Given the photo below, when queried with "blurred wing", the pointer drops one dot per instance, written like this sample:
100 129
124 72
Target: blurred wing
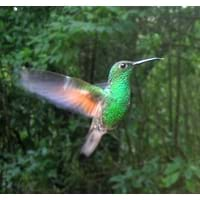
102 85
65 92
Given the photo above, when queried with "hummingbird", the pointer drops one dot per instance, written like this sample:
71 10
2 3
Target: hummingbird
106 105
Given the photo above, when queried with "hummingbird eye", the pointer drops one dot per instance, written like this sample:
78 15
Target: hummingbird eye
123 65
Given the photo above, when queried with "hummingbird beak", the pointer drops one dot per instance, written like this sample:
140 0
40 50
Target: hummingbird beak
145 60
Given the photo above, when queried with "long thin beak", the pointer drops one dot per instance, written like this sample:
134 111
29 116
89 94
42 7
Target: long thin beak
146 60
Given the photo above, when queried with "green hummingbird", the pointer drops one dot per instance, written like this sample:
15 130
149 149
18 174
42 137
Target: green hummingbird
106 105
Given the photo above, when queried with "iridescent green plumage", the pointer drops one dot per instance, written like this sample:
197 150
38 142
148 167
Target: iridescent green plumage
106 106
117 94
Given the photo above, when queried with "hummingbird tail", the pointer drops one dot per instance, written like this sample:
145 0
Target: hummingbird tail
92 140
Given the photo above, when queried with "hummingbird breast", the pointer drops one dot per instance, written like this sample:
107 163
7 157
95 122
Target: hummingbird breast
116 104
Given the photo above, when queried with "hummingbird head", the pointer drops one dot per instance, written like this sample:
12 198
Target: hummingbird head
123 69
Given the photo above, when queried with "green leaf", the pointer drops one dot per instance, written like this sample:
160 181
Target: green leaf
169 180
191 186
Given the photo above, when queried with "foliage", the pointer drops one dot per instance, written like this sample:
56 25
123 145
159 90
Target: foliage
156 147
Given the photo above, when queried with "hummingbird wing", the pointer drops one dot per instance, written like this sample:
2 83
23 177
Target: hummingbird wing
102 85
64 91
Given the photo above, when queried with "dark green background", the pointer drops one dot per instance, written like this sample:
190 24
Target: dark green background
156 147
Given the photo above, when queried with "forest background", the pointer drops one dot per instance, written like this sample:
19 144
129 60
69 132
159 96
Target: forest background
156 147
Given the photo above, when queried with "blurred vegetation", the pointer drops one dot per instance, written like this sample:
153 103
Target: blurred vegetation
156 147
